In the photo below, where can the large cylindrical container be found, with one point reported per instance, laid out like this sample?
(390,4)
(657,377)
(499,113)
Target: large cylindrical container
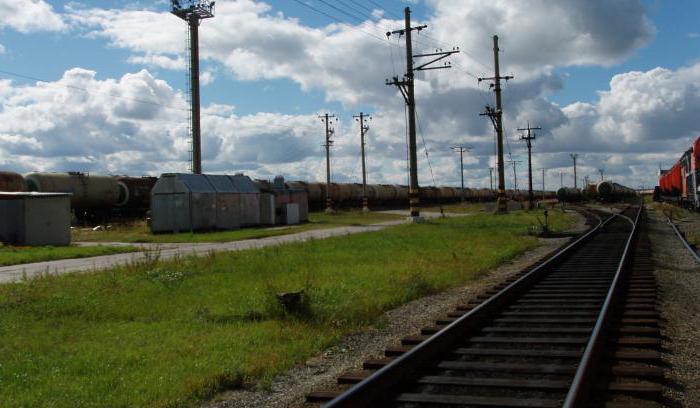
(11,182)
(569,194)
(88,191)
(315,192)
(401,192)
(138,191)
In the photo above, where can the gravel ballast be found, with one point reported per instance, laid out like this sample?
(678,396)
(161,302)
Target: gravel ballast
(679,279)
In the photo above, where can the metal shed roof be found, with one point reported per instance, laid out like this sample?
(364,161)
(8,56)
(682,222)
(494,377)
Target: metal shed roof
(222,184)
(244,184)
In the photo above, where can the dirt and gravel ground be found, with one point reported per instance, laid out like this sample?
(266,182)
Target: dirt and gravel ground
(679,279)
(321,371)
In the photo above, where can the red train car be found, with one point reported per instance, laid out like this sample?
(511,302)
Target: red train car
(679,184)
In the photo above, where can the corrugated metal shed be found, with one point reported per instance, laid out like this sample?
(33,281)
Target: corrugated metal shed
(183,202)
(249,199)
(35,218)
(196,202)
(228,202)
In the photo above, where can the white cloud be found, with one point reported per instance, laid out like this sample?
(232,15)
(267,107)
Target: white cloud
(2,49)
(29,16)
(110,128)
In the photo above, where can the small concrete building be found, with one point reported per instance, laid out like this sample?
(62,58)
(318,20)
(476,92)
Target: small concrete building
(35,219)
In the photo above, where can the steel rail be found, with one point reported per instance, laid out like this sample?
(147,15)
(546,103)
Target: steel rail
(680,236)
(376,385)
(584,379)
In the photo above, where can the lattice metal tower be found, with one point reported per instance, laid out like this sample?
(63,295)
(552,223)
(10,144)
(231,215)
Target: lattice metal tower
(193,12)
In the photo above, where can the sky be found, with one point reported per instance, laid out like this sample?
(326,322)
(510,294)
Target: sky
(100,86)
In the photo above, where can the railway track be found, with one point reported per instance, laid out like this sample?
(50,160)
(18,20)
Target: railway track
(582,323)
(680,236)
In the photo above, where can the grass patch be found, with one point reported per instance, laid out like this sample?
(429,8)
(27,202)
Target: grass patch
(459,208)
(11,255)
(167,334)
(139,232)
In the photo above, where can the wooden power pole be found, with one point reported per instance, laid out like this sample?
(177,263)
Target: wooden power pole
(362,119)
(406,86)
(329,132)
(461,150)
(574,157)
(496,117)
(528,139)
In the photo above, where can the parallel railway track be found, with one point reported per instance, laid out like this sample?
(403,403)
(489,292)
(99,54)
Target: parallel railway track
(681,236)
(581,322)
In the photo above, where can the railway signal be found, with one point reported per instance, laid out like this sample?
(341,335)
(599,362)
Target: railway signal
(362,120)
(528,139)
(406,87)
(496,117)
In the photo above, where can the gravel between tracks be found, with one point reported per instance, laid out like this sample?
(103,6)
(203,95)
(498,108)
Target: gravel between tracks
(321,371)
(679,279)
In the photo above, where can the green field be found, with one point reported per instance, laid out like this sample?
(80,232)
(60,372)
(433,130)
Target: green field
(139,232)
(169,334)
(11,255)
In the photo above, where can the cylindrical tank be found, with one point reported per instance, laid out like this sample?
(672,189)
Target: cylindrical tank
(315,192)
(401,192)
(385,193)
(569,194)
(372,192)
(89,191)
(607,190)
(137,191)
(10,182)
(341,192)
(356,192)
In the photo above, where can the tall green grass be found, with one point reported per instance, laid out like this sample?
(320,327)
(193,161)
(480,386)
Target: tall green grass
(168,334)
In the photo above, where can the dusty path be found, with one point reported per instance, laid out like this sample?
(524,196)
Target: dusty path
(167,251)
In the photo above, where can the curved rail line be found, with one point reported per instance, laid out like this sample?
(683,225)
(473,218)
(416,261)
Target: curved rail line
(559,312)
(680,236)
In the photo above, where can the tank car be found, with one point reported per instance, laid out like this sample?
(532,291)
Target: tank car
(135,192)
(609,191)
(11,182)
(88,191)
(569,195)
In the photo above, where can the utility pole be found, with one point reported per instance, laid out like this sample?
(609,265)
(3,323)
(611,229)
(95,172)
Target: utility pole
(193,12)
(362,119)
(461,150)
(406,86)
(602,173)
(515,173)
(528,139)
(496,117)
(574,156)
(543,193)
(561,179)
(491,177)
(329,132)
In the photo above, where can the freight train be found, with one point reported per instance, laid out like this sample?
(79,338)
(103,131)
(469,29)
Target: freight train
(605,191)
(101,196)
(679,184)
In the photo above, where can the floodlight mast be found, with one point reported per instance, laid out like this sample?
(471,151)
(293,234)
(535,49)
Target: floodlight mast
(193,11)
